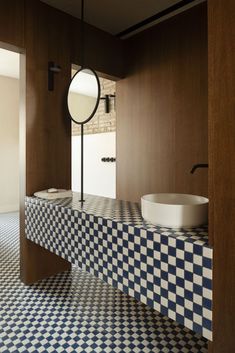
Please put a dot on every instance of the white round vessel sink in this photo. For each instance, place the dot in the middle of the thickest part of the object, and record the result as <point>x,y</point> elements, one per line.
<point>175,210</point>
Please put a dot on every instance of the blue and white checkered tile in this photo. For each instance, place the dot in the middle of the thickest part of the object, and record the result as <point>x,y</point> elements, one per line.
<point>164,269</point>
<point>74,312</point>
<point>121,211</point>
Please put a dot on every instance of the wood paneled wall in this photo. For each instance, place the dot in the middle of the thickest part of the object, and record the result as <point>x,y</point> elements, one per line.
<point>12,17</point>
<point>221,36</point>
<point>102,51</point>
<point>162,109</point>
<point>48,129</point>
<point>46,34</point>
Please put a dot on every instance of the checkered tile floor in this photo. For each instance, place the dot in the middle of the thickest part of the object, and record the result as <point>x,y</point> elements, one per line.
<point>76,312</point>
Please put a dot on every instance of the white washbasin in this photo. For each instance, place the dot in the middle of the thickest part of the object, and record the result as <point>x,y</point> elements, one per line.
<point>175,210</point>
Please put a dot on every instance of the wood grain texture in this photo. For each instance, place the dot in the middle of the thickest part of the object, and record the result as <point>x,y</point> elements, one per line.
<point>221,40</point>
<point>102,51</point>
<point>48,128</point>
<point>162,109</point>
<point>46,34</point>
<point>51,35</point>
<point>12,22</point>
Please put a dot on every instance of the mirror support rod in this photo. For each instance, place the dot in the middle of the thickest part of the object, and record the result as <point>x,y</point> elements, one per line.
<point>82,163</point>
<point>82,33</point>
<point>82,125</point>
<point>75,118</point>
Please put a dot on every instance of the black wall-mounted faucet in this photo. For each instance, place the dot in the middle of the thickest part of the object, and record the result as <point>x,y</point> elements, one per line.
<point>196,166</point>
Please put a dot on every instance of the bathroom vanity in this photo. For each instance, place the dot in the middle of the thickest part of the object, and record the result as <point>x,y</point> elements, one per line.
<point>167,269</point>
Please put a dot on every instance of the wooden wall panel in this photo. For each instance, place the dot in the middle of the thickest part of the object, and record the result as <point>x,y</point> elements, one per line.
<point>51,35</point>
<point>12,22</point>
<point>46,34</point>
<point>162,109</point>
<point>48,128</point>
<point>102,51</point>
<point>221,30</point>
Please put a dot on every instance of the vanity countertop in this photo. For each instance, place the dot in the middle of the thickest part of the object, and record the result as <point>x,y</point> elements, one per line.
<point>125,212</point>
<point>167,269</point>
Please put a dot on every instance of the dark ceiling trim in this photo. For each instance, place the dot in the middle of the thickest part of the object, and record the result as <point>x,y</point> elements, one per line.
<point>155,17</point>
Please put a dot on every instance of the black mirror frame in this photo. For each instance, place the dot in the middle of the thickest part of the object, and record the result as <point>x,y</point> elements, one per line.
<point>98,96</point>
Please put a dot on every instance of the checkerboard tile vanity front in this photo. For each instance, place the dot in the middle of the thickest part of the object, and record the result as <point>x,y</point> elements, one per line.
<point>168,270</point>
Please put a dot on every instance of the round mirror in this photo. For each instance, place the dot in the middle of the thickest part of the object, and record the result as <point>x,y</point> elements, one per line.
<point>83,95</point>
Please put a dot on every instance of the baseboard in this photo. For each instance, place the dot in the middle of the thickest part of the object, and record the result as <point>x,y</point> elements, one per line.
<point>9,208</point>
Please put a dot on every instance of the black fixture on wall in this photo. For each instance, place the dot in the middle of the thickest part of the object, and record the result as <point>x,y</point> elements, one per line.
<point>108,159</point>
<point>107,98</point>
<point>52,70</point>
<point>196,166</point>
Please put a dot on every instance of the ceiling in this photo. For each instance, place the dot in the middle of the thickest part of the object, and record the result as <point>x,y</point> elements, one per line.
<point>113,16</point>
<point>9,64</point>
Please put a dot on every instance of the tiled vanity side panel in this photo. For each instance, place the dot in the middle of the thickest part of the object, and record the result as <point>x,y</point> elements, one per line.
<point>171,275</point>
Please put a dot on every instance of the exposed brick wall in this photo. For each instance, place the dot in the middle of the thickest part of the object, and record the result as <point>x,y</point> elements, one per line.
<point>101,121</point>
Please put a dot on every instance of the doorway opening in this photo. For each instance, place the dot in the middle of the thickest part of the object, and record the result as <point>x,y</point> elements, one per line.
<point>99,144</point>
<point>9,131</point>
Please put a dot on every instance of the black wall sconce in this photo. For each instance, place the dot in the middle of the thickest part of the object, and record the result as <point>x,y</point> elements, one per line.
<point>107,98</point>
<point>52,70</point>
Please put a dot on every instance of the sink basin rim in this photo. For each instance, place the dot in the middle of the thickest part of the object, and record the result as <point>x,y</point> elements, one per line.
<point>173,210</point>
<point>151,199</point>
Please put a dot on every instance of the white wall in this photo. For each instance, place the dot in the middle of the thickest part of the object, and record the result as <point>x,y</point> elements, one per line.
<point>9,144</point>
<point>81,106</point>
<point>99,177</point>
